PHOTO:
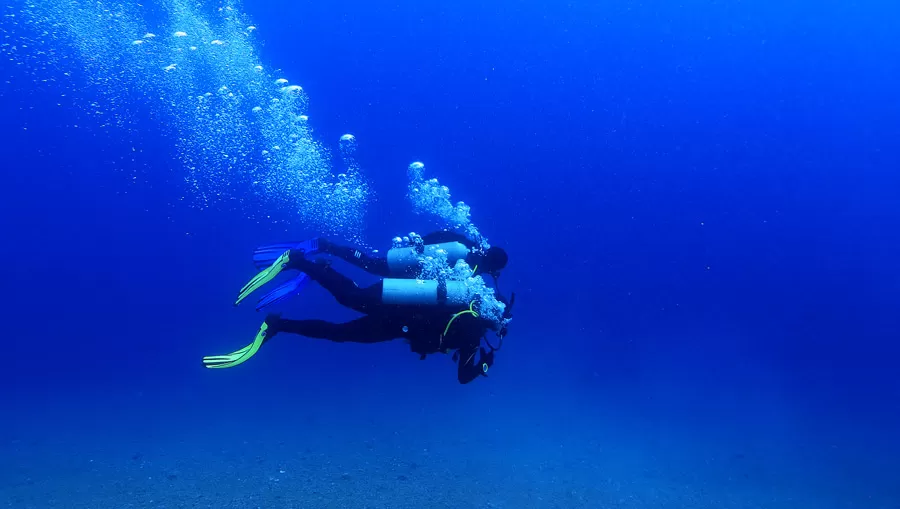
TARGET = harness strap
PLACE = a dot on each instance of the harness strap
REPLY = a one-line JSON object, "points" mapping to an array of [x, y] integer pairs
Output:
{"points": [[469, 311]]}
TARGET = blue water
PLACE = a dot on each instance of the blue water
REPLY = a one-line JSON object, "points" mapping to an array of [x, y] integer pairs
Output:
{"points": [[699, 200]]}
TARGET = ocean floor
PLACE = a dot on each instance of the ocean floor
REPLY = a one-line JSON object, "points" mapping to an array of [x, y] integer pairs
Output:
{"points": [[364, 453]]}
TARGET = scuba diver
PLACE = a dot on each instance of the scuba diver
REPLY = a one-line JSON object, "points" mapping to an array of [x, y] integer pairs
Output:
{"points": [[433, 316], [399, 262]]}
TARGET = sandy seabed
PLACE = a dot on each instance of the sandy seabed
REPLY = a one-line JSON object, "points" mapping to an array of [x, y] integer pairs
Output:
{"points": [[429, 458]]}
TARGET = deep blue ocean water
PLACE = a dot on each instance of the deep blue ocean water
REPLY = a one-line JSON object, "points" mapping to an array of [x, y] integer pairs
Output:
{"points": [[699, 199]]}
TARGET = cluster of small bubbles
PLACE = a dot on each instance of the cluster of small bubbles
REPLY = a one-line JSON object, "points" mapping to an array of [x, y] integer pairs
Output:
{"points": [[430, 197], [487, 305], [462, 271], [240, 132], [46, 41], [436, 267], [416, 241]]}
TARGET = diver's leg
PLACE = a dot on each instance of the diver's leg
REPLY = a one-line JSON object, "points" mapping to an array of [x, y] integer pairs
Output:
{"points": [[367, 329], [273, 259], [344, 289], [376, 265]]}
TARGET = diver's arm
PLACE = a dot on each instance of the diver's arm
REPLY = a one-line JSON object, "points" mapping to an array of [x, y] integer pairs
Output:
{"points": [[469, 368]]}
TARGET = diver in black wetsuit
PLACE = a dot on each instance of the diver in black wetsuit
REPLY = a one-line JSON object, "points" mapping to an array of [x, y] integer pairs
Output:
{"points": [[432, 317], [458, 246], [428, 330]]}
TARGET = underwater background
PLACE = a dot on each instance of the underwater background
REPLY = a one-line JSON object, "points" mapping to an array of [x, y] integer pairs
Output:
{"points": [[699, 200]]}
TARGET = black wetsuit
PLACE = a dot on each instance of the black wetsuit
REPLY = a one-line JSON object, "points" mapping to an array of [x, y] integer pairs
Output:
{"points": [[423, 327], [378, 265]]}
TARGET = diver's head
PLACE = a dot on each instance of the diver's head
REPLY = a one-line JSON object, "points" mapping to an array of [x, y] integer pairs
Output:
{"points": [[494, 260]]}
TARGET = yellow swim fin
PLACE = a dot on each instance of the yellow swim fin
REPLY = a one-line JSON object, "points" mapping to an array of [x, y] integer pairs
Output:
{"points": [[264, 277], [240, 356]]}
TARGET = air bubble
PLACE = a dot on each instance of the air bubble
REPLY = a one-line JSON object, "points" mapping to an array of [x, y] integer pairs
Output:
{"points": [[214, 128], [292, 90]]}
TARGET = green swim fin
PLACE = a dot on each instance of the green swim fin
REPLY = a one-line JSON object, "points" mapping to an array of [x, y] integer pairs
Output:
{"points": [[240, 356], [264, 277]]}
